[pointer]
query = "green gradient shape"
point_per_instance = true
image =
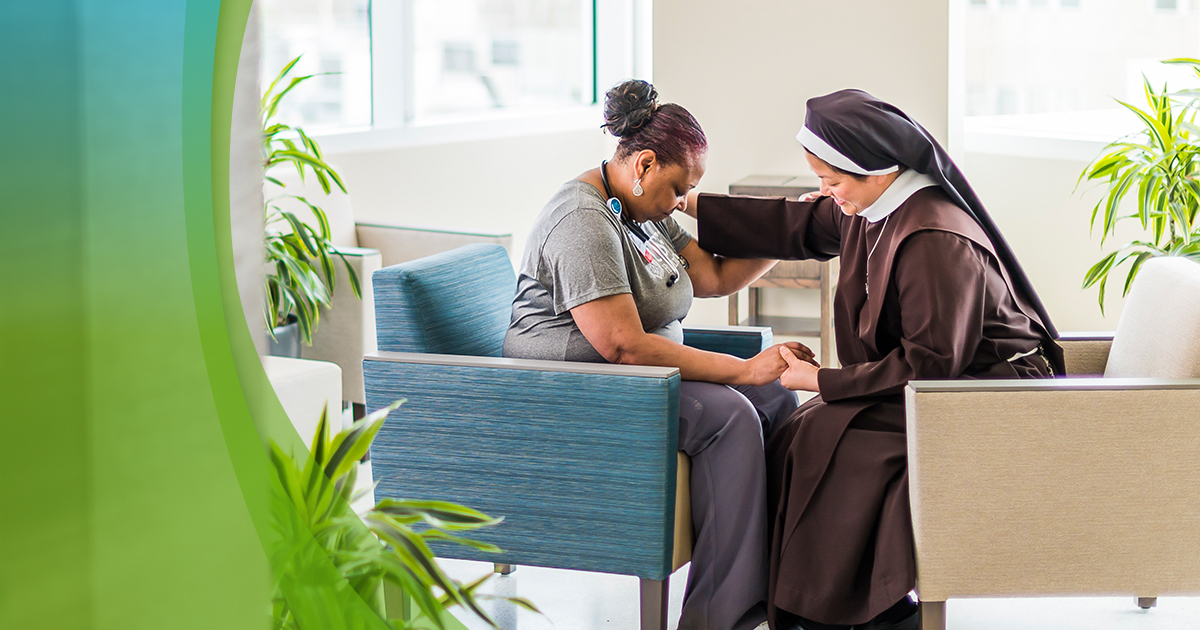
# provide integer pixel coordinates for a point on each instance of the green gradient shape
(168, 524)
(136, 490)
(318, 594)
(44, 507)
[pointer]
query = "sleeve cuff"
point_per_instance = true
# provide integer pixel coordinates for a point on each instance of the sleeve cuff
(590, 296)
(831, 383)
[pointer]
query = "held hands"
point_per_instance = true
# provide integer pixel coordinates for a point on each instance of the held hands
(801, 373)
(771, 364)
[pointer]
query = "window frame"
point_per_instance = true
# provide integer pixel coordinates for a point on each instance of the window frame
(622, 49)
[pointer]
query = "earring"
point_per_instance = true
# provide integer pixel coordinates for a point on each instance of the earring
(637, 188)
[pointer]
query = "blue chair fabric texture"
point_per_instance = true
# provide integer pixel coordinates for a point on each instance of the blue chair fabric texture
(581, 466)
(740, 341)
(456, 302)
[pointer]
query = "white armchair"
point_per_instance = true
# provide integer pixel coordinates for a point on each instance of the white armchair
(347, 331)
(1069, 486)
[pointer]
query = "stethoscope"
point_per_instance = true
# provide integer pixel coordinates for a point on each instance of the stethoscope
(636, 230)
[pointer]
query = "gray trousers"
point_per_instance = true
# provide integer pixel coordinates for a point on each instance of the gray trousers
(721, 428)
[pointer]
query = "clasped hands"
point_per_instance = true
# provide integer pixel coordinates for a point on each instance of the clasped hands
(791, 362)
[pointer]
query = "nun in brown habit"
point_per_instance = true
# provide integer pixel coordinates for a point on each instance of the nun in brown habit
(928, 289)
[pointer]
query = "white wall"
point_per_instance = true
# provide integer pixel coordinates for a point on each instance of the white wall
(1046, 222)
(245, 183)
(496, 185)
(745, 70)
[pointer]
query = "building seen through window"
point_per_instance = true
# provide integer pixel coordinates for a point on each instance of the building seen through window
(334, 36)
(479, 55)
(459, 58)
(1045, 56)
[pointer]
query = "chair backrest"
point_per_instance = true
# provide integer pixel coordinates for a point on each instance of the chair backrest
(1159, 332)
(455, 302)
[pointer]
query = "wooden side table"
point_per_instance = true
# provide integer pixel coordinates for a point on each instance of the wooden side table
(788, 274)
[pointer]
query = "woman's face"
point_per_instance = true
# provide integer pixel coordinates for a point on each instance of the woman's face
(851, 194)
(665, 187)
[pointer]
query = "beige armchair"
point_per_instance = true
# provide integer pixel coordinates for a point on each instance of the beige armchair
(347, 331)
(1085, 486)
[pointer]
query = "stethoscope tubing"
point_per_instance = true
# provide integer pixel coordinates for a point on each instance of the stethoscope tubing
(636, 230)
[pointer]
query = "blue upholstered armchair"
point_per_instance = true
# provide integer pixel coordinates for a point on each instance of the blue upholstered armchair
(580, 459)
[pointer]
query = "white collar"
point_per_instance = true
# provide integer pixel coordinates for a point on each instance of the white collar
(898, 192)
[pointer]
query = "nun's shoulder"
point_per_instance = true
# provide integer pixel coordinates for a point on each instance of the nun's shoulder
(931, 200)
(931, 209)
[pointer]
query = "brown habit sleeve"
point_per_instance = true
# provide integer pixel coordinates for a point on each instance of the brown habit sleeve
(941, 284)
(769, 227)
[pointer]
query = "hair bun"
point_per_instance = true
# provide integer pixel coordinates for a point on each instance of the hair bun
(629, 106)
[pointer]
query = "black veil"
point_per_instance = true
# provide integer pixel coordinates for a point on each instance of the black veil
(868, 136)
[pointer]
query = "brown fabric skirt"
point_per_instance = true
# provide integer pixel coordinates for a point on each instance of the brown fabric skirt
(840, 526)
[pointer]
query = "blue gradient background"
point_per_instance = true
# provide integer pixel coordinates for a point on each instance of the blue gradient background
(135, 491)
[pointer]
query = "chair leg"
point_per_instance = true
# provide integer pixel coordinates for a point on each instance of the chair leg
(654, 604)
(1147, 602)
(933, 615)
(504, 569)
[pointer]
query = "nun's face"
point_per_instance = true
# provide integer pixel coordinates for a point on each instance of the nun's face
(851, 194)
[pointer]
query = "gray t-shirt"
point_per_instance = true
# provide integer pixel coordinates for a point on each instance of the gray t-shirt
(579, 251)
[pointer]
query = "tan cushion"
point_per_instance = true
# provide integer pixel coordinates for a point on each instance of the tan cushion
(347, 331)
(1061, 489)
(684, 534)
(399, 244)
(1159, 332)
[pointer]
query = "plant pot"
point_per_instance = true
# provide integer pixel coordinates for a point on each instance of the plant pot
(287, 340)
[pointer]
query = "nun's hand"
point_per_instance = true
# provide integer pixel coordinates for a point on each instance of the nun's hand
(816, 194)
(768, 365)
(693, 199)
(800, 374)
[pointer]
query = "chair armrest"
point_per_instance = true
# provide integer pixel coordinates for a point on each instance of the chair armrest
(400, 244)
(1086, 353)
(740, 341)
(580, 458)
(347, 330)
(1054, 487)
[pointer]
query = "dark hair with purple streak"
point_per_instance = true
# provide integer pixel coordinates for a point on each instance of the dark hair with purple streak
(632, 113)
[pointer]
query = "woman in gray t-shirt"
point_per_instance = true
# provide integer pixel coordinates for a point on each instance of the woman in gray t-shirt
(608, 276)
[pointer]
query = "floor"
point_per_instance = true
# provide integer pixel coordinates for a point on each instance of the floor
(573, 600)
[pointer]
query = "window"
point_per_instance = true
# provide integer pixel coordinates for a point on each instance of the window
(1042, 61)
(467, 55)
(334, 37)
(394, 64)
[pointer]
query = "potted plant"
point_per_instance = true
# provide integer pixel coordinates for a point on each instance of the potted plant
(388, 543)
(300, 258)
(1160, 165)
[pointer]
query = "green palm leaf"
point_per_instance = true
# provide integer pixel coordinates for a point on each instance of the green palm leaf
(1163, 172)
